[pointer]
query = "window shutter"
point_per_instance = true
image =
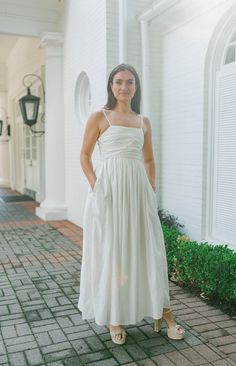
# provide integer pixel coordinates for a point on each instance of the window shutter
(224, 175)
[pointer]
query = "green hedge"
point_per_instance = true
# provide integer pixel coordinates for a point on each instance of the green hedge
(207, 270)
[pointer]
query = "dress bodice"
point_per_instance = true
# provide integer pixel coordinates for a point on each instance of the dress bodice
(121, 142)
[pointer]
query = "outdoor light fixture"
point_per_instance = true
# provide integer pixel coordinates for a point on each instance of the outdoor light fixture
(4, 126)
(29, 104)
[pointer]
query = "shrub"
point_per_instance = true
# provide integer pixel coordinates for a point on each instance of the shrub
(207, 270)
(169, 220)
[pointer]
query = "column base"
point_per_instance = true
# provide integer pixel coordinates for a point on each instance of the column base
(4, 183)
(51, 212)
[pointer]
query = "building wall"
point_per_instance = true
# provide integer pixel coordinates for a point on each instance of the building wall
(29, 59)
(183, 65)
(84, 51)
(3, 72)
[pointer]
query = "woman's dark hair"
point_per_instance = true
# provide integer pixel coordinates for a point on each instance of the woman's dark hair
(111, 100)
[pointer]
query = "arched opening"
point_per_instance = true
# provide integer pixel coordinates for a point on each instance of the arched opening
(82, 97)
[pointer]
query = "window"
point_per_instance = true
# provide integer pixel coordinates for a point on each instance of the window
(230, 54)
(82, 97)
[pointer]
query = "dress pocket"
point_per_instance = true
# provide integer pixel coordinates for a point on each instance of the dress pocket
(151, 199)
(151, 189)
(94, 189)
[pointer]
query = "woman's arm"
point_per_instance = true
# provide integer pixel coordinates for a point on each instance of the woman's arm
(91, 134)
(148, 156)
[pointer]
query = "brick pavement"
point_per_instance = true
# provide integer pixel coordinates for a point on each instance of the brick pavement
(41, 325)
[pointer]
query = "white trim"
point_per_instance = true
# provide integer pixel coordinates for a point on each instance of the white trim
(49, 39)
(228, 44)
(82, 97)
(157, 9)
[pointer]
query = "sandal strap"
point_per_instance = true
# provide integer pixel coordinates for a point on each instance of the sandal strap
(178, 327)
(120, 332)
(167, 311)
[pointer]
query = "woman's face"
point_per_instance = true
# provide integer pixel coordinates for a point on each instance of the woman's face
(123, 86)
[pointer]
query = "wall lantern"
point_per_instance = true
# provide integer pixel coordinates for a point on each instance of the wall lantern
(29, 104)
(4, 125)
(5, 131)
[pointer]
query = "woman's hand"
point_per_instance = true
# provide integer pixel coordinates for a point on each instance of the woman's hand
(154, 188)
(92, 184)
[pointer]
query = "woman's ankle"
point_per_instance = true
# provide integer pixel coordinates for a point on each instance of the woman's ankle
(115, 327)
(169, 317)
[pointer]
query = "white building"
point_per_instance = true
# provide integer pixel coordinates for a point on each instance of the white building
(185, 54)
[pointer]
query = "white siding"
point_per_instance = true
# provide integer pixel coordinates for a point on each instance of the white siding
(84, 50)
(112, 34)
(155, 91)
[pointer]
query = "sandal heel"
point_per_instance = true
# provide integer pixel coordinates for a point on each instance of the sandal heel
(157, 325)
(173, 331)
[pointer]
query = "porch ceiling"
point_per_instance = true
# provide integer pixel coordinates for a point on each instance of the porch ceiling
(169, 14)
(31, 17)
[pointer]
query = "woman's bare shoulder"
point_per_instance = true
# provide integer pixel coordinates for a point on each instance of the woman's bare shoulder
(97, 115)
(146, 123)
(95, 118)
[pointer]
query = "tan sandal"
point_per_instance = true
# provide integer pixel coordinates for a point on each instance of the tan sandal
(116, 339)
(175, 332)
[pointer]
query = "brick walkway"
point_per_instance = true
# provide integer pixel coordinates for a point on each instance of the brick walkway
(41, 325)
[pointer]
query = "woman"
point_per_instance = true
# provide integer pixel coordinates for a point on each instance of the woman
(124, 269)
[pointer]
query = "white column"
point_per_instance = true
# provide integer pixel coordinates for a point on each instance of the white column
(53, 207)
(122, 32)
(4, 144)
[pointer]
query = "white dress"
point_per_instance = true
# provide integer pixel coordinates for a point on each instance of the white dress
(124, 275)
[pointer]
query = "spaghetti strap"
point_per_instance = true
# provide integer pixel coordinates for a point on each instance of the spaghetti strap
(106, 117)
(141, 121)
